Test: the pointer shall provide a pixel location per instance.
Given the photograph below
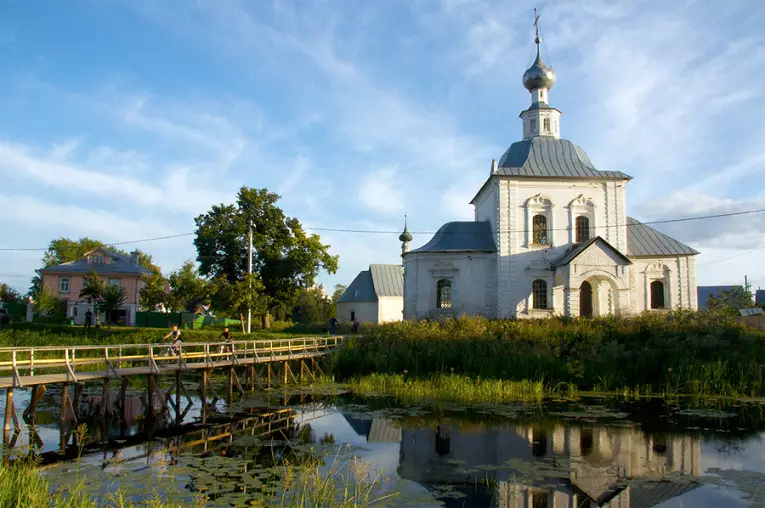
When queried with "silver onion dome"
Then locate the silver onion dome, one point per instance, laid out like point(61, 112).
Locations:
point(406, 236)
point(538, 75)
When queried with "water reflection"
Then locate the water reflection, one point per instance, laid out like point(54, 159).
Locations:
point(570, 455)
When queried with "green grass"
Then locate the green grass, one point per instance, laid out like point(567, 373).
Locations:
point(674, 353)
point(451, 387)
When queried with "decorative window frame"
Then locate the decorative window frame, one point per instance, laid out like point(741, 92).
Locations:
point(61, 281)
point(660, 272)
point(549, 307)
point(581, 206)
point(443, 270)
point(115, 281)
point(539, 205)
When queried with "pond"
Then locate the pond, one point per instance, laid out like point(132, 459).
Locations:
point(585, 453)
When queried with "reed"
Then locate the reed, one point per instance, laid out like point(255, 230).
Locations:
point(672, 353)
point(451, 387)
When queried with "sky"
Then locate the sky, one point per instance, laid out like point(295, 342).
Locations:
point(124, 120)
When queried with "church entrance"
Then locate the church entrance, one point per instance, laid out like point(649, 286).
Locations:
point(585, 300)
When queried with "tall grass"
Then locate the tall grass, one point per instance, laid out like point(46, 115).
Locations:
point(704, 353)
point(451, 387)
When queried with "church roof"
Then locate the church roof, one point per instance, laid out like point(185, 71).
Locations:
point(461, 237)
point(643, 240)
point(547, 157)
point(379, 280)
point(570, 255)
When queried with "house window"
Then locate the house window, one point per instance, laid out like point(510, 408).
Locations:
point(98, 259)
point(539, 294)
point(657, 294)
point(114, 282)
point(444, 294)
point(64, 284)
point(539, 229)
point(582, 229)
point(539, 500)
point(547, 124)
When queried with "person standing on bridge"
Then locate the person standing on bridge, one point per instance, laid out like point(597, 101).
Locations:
point(229, 338)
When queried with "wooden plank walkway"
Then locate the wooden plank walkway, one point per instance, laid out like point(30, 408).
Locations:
point(28, 367)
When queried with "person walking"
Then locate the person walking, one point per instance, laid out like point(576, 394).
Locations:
point(88, 320)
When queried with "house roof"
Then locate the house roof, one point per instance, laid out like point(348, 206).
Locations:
point(643, 240)
point(704, 292)
point(378, 281)
point(546, 157)
point(388, 280)
point(759, 297)
point(571, 254)
point(120, 265)
point(469, 236)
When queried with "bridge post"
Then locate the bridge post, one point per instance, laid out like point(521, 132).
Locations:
point(284, 373)
point(251, 375)
point(178, 398)
point(31, 411)
point(268, 375)
point(10, 409)
point(230, 385)
point(123, 406)
point(150, 388)
point(64, 403)
point(105, 402)
point(203, 395)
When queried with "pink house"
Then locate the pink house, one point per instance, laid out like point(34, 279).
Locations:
point(66, 282)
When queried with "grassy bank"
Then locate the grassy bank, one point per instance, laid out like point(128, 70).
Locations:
point(671, 353)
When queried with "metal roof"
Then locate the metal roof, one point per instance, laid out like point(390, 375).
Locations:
point(579, 248)
point(378, 281)
point(470, 236)
point(361, 289)
point(547, 157)
point(643, 240)
point(704, 292)
point(120, 265)
point(388, 280)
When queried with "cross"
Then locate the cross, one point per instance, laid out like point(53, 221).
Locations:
point(536, 25)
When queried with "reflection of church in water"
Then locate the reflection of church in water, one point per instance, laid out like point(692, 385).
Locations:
point(525, 466)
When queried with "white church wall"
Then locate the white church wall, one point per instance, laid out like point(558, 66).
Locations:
point(607, 219)
point(677, 273)
point(390, 308)
point(365, 312)
point(486, 205)
point(471, 275)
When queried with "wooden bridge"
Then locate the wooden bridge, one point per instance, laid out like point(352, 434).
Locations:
point(263, 361)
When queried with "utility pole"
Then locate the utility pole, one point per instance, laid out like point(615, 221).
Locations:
point(249, 271)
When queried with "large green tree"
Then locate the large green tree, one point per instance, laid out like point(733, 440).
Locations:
point(236, 298)
point(112, 299)
point(285, 257)
point(63, 250)
point(156, 291)
point(731, 300)
point(9, 295)
point(187, 288)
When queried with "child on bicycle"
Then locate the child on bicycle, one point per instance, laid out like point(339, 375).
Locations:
point(175, 333)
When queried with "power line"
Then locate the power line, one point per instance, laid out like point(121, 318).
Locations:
point(740, 254)
point(389, 232)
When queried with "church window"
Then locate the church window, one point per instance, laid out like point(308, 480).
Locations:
point(533, 124)
point(657, 294)
point(444, 294)
point(539, 294)
point(539, 229)
point(582, 229)
point(547, 124)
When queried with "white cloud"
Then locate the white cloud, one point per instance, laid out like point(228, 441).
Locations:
point(380, 191)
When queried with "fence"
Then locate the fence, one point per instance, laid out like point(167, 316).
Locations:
point(186, 320)
point(757, 322)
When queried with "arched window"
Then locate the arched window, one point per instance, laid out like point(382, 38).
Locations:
point(539, 294)
point(657, 294)
point(539, 229)
point(444, 294)
point(582, 229)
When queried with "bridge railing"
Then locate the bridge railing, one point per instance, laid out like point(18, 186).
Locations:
point(35, 361)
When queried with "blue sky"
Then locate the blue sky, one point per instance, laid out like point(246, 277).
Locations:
point(123, 120)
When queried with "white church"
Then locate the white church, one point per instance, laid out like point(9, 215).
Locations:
point(550, 237)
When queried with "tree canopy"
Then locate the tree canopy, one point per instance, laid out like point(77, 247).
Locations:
point(731, 300)
point(64, 250)
point(285, 257)
point(9, 295)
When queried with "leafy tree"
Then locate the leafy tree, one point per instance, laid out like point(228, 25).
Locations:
point(187, 288)
point(9, 295)
point(92, 287)
point(312, 306)
point(63, 250)
point(35, 285)
point(112, 299)
point(236, 298)
point(285, 257)
point(730, 300)
point(48, 304)
point(339, 290)
point(156, 291)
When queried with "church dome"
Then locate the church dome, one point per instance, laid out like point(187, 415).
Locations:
point(538, 75)
point(406, 236)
